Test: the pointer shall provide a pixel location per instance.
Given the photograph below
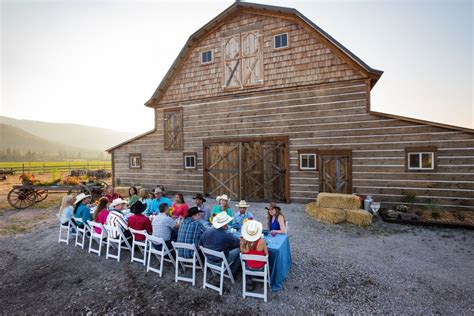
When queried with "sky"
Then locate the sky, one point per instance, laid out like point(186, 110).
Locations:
point(97, 62)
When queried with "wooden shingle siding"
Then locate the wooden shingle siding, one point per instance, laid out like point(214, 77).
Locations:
point(306, 61)
point(378, 145)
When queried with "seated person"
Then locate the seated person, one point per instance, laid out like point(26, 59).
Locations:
point(81, 210)
point(159, 198)
point(66, 210)
point(180, 208)
point(165, 227)
point(101, 213)
point(223, 206)
point(275, 219)
point(146, 198)
point(199, 202)
point(138, 221)
point(111, 194)
point(252, 243)
point(116, 219)
point(242, 215)
point(190, 231)
point(217, 238)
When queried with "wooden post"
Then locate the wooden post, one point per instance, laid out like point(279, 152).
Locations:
point(23, 167)
point(43, 167)
point(69, 168)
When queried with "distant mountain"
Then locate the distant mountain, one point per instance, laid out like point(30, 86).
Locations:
point(91, 138)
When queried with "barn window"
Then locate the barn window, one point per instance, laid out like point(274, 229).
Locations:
point(420, 159)
point(190, 160)
point(173, 128)
point(135, 161)
point(206, 57)
point(308, 161)
point(281, 40)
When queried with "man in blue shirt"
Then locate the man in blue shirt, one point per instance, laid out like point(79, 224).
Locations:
point(190, 231)
point(158, 200)
point(242, 215)
point(217, 238)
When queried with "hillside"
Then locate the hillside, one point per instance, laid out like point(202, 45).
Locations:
point(17, 144)
point(93, 138)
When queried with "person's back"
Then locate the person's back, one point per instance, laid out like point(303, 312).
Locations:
point(218, 240)
point(189, 232)
point(116, 220)
point(102, 218)
point(84, 213)
point(258, 248)
point(139, 222)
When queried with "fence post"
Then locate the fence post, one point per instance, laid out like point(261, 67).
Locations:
point(43, 167)
point(69, 168)
point(87, 165)
point(23, 167)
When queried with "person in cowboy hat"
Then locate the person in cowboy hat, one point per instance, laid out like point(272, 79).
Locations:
point(242, 215)
point(217, 238)
point(206, 211)
point(116, 218)
point(159, 198)
point(252, 243)
point(139, 221)
point(190, 231)
point(223, 206)
point(81, 210)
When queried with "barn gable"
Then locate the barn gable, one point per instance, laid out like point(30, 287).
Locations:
point(241, 40)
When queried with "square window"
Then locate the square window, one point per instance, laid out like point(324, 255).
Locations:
point(414, 161)
point(135, 161)
point(190, 160)
point(281, 40)
point(206, 57)
point(421, 161)
point(308, 161)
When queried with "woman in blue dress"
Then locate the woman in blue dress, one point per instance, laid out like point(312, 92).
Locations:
point(275, 220)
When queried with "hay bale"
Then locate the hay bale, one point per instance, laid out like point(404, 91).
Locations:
point(329, 215)
point(310, 209)
point(359, 217)
point(337, 200)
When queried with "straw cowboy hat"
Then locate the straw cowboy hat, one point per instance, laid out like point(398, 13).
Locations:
point(252, 230)
point(81, 197)
point(117, 202)
point(242, 204)
point(158, 190)
point(221, 219)
point(223, 197)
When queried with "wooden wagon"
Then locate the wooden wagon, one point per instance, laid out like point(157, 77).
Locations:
point(25, 195)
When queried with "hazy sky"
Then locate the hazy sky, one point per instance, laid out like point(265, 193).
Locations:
point(97, 62)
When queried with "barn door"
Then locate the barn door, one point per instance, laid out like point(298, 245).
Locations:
point(250, 170)
point(335, 173)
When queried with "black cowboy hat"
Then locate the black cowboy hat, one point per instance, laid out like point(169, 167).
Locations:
point(138, 207)
point(199, 196)
point(193, 211)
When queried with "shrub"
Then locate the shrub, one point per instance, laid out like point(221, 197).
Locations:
point(409, 197)
point(402, 208)
point(435, 214)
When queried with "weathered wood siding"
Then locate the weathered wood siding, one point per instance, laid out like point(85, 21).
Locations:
point(331, 116)
point(306, 61)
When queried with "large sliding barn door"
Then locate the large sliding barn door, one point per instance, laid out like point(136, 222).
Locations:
point(250, 170)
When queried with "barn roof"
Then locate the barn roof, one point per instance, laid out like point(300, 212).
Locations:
point(355, 61)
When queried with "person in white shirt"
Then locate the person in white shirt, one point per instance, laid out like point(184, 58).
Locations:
point(116, 218)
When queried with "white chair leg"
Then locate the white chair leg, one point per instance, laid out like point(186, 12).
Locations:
point(221, 288)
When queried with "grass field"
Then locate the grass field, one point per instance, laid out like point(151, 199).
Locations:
point(16, 165)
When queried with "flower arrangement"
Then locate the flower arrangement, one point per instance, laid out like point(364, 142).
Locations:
point(71, 180)
point(171, 209)
point(27, 178)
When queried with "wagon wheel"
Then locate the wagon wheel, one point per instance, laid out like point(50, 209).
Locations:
point(21, 198)
point(41, 195)
point(80, 188)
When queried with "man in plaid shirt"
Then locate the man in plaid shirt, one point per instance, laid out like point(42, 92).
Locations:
point(190, 231)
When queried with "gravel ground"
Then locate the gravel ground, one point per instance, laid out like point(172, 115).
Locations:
point(386, 268)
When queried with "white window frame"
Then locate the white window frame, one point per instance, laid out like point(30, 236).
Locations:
point(287, 41)
point(185, 161)
point(201, 57)
point(301, 161)
point(420, 155)
point(133, 161)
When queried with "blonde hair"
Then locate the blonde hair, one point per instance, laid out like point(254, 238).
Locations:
point(66, 201)
point(246, 246)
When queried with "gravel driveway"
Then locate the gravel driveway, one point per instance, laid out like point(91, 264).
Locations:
point(386, 268)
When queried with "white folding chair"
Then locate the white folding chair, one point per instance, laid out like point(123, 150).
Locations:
point(81, 232)
point(265, 273)
point(159, 254)
point(221, 269)
point(286, 227)
point(100, 238)
point(186, 262)
point(61, 228)
point(138, 244)
point(118, 243)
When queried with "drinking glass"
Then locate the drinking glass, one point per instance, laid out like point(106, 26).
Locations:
point(375, 206)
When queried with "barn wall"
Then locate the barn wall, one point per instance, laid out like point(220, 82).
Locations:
point(332, 116)
point(306, 61)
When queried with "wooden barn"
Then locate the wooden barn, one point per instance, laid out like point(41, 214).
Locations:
point(262, 104)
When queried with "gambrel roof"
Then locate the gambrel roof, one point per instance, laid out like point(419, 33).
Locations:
point(194, 39)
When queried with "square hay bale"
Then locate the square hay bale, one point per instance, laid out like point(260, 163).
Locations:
point(329, 215)
point(359, 217)
point(337, 200)
point(310, 209)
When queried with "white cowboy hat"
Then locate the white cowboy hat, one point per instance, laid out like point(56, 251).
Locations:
point(242, 203)
point(117, 202)
point(252, 230)
point(223, 197)
point(157, 190)
point(221, 219)
point(81, 197)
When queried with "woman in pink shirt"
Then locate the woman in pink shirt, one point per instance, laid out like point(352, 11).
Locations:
point(180, 208)
point(101, 213)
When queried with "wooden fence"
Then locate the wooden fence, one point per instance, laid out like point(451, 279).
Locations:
point(46, 168)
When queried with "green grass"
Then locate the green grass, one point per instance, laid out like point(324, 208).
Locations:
point(52, 163)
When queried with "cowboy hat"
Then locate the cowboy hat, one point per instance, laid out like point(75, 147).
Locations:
point(199, 196)
point(252, 230)
point(193, 210)
point(117, 201)
point(270, 206)
point(221, 219)
point(81, 197)
point(158, 190)
point(138, 207)
point(223, 197)
point(242, 204)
